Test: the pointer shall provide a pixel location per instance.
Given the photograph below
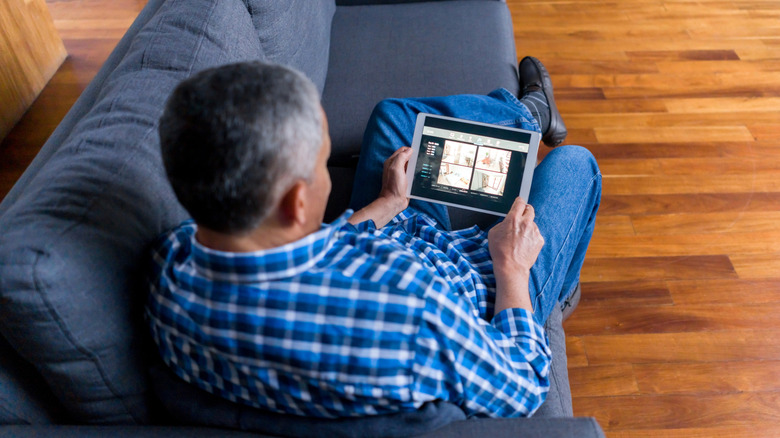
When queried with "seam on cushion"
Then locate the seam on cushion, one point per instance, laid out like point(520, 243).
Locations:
point(15, 419)
point(557, 388)
point(156, 32)
point(9, 414)
point(201, 37)
point(93, 358)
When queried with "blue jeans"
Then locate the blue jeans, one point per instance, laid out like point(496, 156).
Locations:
point(565, 193)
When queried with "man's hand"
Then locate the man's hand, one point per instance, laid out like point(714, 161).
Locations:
point(392, 198)
point(514, 245)
point(394, 179)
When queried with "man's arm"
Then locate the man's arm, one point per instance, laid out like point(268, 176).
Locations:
point(392, 198)
point(514, 245)
point(496, 369)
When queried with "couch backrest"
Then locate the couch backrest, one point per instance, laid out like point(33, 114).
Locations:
point(74, 244)
point(295, 33)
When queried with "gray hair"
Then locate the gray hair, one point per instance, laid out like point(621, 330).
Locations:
point(235, 138)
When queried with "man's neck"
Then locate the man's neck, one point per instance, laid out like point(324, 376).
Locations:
point(261, 238)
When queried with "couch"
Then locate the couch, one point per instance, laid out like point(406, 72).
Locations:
point(75, 356)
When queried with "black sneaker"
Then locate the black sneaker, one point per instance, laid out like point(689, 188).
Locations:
point(534, 77)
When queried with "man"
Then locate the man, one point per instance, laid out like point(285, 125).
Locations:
point(384, 309)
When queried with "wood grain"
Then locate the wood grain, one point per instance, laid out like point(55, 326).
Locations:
point(625, 294)
point(696, 346)
point(30, 53)
point(734, 291)
point(681, 411)
point(672, 319)
point(90, 29)
point(707, 378)
point(661, 268)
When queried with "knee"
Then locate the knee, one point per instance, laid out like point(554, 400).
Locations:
point(392, 114)
point(387, 110)
point(574, 160)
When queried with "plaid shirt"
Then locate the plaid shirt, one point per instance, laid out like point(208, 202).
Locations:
point(348, 321)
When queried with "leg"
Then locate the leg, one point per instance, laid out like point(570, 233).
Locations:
point(566, 193)
point(392, 126)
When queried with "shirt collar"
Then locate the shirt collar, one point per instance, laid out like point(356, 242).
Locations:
point(281, 262)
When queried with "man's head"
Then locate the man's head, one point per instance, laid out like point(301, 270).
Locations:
point(238, 139)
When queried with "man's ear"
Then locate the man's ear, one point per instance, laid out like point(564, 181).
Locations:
point(292, 206)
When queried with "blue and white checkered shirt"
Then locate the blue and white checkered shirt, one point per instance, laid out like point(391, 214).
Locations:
point(348, 321)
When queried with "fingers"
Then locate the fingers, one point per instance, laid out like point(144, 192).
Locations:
point(529, 212)
point(521, 211)
point(404, 150)
point(399, 158)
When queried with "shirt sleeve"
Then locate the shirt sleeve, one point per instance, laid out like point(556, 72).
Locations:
point(494, 369)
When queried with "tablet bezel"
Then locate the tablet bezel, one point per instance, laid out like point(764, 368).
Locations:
point(528, 171)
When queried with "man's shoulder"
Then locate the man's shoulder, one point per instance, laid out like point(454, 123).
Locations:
point(172, 242)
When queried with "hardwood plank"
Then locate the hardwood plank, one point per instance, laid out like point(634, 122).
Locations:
point(723, 346)
point(695, 203)
point(673, 134)
point(656, 85)
point(765, 131)
point(731, 291)
point(680, 411)
point(764, 265)
point(724, 105)
point(671, 319)
point(607, 380)
point(707, 378)
point(657, 268)
point(683, 245)
point(680, 184)
point(684, 55)
point(713, 67)
point(575, 352)
point(674, 150)
point(624, 294)
point(663, 121)
point(568, 107)
point(684, 166)
point(713, 223)
point(614, 226)
point(752, 429)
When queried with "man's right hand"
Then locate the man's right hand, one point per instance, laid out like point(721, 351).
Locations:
point(514, 245)
point(392, 198)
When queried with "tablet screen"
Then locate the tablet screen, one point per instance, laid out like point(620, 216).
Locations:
point(471, 165)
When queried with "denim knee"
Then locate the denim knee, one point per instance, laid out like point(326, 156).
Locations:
point(575, 160)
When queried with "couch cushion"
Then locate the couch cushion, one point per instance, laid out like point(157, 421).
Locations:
point(295, 33)
point(24, 396)
point(74, 243)
point(190, 405)
point(412, 50)
point(558, 402)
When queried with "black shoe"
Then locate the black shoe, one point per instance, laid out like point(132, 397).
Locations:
point(534, 77)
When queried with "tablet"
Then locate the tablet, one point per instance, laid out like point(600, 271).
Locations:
point(470, 165)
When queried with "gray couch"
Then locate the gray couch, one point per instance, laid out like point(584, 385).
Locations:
point(75, 357)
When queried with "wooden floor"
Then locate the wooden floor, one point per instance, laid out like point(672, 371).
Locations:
point(678, 332)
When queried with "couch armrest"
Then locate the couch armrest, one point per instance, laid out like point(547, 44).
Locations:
point(494, 428)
